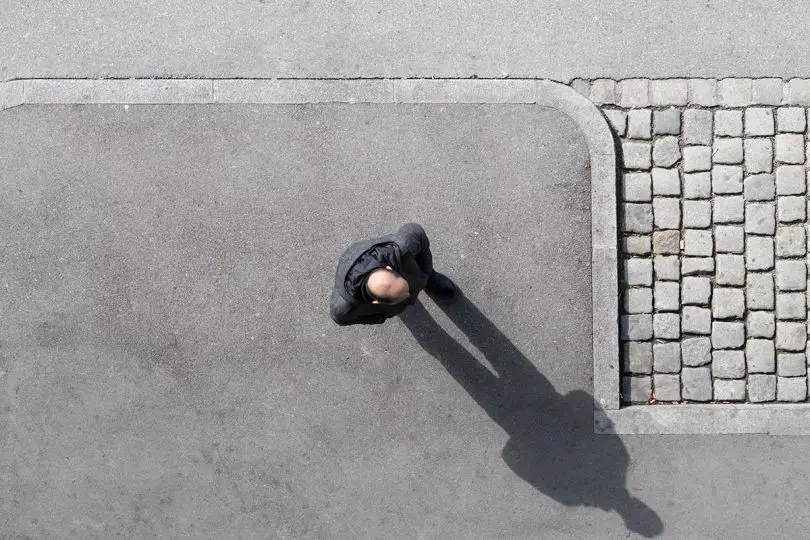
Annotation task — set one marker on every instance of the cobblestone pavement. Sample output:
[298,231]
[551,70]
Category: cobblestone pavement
[713,221]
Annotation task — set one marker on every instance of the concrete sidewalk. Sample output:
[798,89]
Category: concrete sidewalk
[543,39]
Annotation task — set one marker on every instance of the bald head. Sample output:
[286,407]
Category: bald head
[387,286]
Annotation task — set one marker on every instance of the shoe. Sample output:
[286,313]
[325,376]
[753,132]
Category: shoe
[440,285]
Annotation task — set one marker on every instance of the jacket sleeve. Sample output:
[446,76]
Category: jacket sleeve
[341,312]
[414,240]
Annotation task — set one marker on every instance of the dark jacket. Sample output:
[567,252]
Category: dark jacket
[415,265]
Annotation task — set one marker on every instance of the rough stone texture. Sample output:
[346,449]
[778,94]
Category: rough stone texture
[702,92]
[728,123]
[638,218]
[760,356]
[636,389]
[697,242]
[759,291]
[668,296]
[729,209]
[667,357]
[761,324]
[730,270]
[791,306]
[637,155]
[791,275]
[666,242]
[618,121]
[790,180]
[696,320]
[797,92]
[634,93]
[758,155]
[735,92]
[697,127]
[728,335]
[636,327]
[667,152]
[759,253]
[639,124]
[759,121]
[697,265]
[696,384]
[666,181]
[729,390]
[728,303]
[697,185]
[637,245]
[638,272]
[759,187]
[760,218]
[666,267]
[761,388]
[697,158]
[728,151]
[790,148]
[638,300]
[791,389]
[725,189]
[667,326]
[729,239]
[791,336]
[791,119]
[667,122]
[766,91]
[667,212]
[727,179]
[728,364]
[667,387]
[697,214]
[791,364]
[665,92]
[791,209]
[791,241]
[696,351]
[638,357]
[603,91]
[637,187]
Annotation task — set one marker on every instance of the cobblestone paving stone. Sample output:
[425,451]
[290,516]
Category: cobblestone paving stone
[714,241]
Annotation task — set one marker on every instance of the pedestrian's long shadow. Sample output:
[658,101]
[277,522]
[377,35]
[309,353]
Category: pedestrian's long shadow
[551,444]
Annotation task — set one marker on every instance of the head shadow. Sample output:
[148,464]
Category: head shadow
[552,444]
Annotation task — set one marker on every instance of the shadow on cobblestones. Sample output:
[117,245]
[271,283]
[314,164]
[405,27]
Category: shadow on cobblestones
[552,445]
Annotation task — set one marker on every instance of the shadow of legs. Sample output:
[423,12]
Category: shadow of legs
[551,441]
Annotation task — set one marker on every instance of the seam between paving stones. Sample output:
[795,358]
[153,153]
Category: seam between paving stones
[586,115]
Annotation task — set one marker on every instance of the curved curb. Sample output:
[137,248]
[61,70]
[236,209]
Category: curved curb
[581,111]
[604,265]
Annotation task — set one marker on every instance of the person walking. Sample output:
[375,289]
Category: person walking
[377,279]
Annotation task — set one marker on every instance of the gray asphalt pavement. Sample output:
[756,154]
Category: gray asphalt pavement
[170,368]
[545,38]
